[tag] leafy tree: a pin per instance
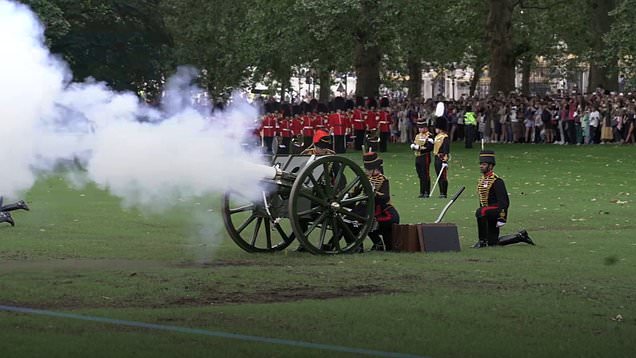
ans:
(210, 35)
(121, 42)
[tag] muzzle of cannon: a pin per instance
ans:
(325, 203)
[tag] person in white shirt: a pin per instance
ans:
(595, 117)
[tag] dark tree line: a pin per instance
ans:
(135, 44)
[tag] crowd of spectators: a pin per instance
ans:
(598, 118)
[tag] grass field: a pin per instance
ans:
(571, 295)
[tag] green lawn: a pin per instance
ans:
(571, 295)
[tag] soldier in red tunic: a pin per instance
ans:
(338, 124)
(384, 124)
(268, 127)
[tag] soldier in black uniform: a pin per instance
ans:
(441, 151)
(385, 213)
(493, 206)
(422, 147)
(5, 215)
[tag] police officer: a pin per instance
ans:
(422, 147)
(470, 125)
(493, 206)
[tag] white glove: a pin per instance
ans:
(430, 140)
(501, 223)
(415, 147)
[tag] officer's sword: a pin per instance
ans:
(444, 165)
(441, 215)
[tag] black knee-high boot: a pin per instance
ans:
(5, 217)
(15, 206)
(521, 236)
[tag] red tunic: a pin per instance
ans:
(338, 123)
(283, 128)
(385, 122)
(268, 126)
(358, 121)
(296, 126)
(308, 126)
(371, 121)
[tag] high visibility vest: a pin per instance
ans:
(470, 119)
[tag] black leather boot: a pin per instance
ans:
(479, 244)
(5, 217)
(521, 236)
(19, 205)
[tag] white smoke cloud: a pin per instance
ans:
(174, 153)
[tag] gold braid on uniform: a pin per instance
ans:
(377, 181)
(483, 188)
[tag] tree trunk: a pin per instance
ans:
(603, 73)
(415, 77)
(502, 59)
(367, 66)
(325, 86)
(475, 80)
(526, 69)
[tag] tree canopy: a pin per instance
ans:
(135, 44)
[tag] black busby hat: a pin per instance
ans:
(304, 107)
(441, 123)
(350, 104)
(286, 110)
(296, 110)
(322, 108)
(384, 102)
(313, 105)
(372, 161)
(372, 103)
(487, 156)
(339, 103)
(269, 107)
(359, 101)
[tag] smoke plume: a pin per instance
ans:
(149, 157)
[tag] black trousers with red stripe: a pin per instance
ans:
(423, 169)
(443, 180)
(487, 229)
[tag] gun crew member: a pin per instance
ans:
(493, 206)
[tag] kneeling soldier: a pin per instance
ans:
(493, 206)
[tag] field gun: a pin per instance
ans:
(326, 203)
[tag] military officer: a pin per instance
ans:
(492, 213)
(422, 147)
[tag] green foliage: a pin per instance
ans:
(133, 44)
(621, 40)
(121, 42)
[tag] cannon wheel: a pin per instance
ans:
(248, 224)
(331, 206)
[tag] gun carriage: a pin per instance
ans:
(326, 203)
